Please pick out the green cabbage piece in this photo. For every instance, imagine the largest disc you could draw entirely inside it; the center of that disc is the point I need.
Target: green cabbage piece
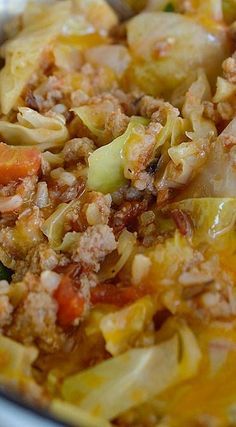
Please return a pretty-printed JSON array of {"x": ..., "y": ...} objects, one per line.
[
  {"x": 224, "y": 90},
  {"x": 69, "y": 241},
  {"x": 106, "y": 169},
  {"x": 125, "y": 248},
  {"x": 33, "y": 128},
  {"x": 229, "y": 10},
  {"x": 98, "y": 12},
  {"x": 128, "y": 380},
  {"x": 213, "y": 221},
  {"x": 54, "y": 226},
  {"x": 76, "y": 416},
  {"x": 15, "y": 361},
  {"x": 193, "y": 108},
  {"x": 122, "y": 327},
  {"x": 22, "y": 54},
  {"x": 167, "y": 47},
  {"x": 209, "y": 180},
  {"x": 94, "y": 118}
]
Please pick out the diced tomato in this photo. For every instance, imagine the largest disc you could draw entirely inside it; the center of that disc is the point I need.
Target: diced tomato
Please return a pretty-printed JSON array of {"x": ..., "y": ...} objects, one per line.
[
  {"x": 111, "y": 294},
  {"x": 70, "y": 302},
  {"x": 18, "y": 162}
]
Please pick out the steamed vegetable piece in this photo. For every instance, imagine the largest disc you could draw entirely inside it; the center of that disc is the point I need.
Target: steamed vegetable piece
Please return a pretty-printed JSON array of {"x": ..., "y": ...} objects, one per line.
[
  {"x": 76, "y": 416},
  {"x": 123, "y": 382},
  {"x": 18, "y": 162},
  {"x": 126, "y": 245},
  {"x": 94, "y": 118},
  {"x": 15, "y": 361},
  {"x": 69, "y": 241},
  {"x": 213, "y": 221},
  {"x": 204, "y": 10},
  {"x": 193, "y": 108},
  {"x": 23, "y": 53},
  {"x": 33, "y": 128},
  {"x": 229, "y": 10},
  {"x": 224, "y": 90},
  {"x": 53, "y": 227},
  {"x": 217, "y": 372},
  {"x": 210, "y": 182},
  {"x": 98, "y": 12},
  {"x": 168, "y": 47},
  {"x": 116, "y": 57},
  {"x": 106, "y": 170},
  {"x": 121, "y": 328}
]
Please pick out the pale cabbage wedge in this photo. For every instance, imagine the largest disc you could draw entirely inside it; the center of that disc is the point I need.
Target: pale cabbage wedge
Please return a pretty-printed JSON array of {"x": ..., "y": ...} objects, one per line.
[
  {"x": 193, "y": 108},
  {"x": 189, "y": 156},
  {"x": 15, "y": 361},
  {"x": 128, "y": 380},
  {"x": 213, "y": 221},
  {"x": 210, "y": 181},
  {"x": 34, "y": 128},
  {"x": 167, "y": 47},
  {"x": 69, "y": 241},
  {"x": 98, "y": 12},
  {"x": 23, "y": 53},
  {"x": 76, "y": 416},
  {"x": 224, "y": 90},
  {"x": 106, "y": 169},
  {"x": 229, "y": 10},
  {"x": 121, "y": 328},
  {"x": 165, "y": 134},
  {"x": 210, "y": 9},
  {"x": 94, "y": 118},
  {"x": 187, "y": 159},
  {"x": 125, "y": 248},
  {"x": 116, "y": 57},
  {"x": 54, "y": 226}
]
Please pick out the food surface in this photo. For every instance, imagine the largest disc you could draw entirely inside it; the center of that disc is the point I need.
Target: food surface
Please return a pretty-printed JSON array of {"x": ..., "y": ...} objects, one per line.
[{"x": 118, "y": 212}]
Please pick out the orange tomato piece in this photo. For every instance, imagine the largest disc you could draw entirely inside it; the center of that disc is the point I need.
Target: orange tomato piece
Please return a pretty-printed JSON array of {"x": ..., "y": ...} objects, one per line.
[
  {"x": 70, "y": 302},
  {"x": 18, "y": 162}
]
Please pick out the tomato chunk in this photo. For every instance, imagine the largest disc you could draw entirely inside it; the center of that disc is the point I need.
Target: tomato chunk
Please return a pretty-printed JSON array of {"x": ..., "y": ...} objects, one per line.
[
  {"x": 18, "y": 162},
  {"x": 70, "y": 302}
]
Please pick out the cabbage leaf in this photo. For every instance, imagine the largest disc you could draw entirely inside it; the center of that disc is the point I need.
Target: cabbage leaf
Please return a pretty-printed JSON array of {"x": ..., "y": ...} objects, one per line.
[
  {"x": 224, "y": 90},
  {"x": 15, "y": 361},
  {"x": 69, "y": 241},
  {"x": 54, "y": 226},
  {"x": 76, "y": 416},
  {"x": 193, "y": 108},
  {"x": 121, "y": 328},
  {"x": 126, "y": 246},
  {"x": 98, "y": 12},
  {"x": 33, "y": 128},
  {"x": 23, "y": 53},
  {"x": 210, "y": 181},
  {"x": 213, "y": 221},
  {"x": 167, "y": 47},
  {"x": 116, "y": 57},
  {"x": 94, "y": 118},
  {"x": 128, "y": 380},
  {"x": 106, "y": 169}
]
